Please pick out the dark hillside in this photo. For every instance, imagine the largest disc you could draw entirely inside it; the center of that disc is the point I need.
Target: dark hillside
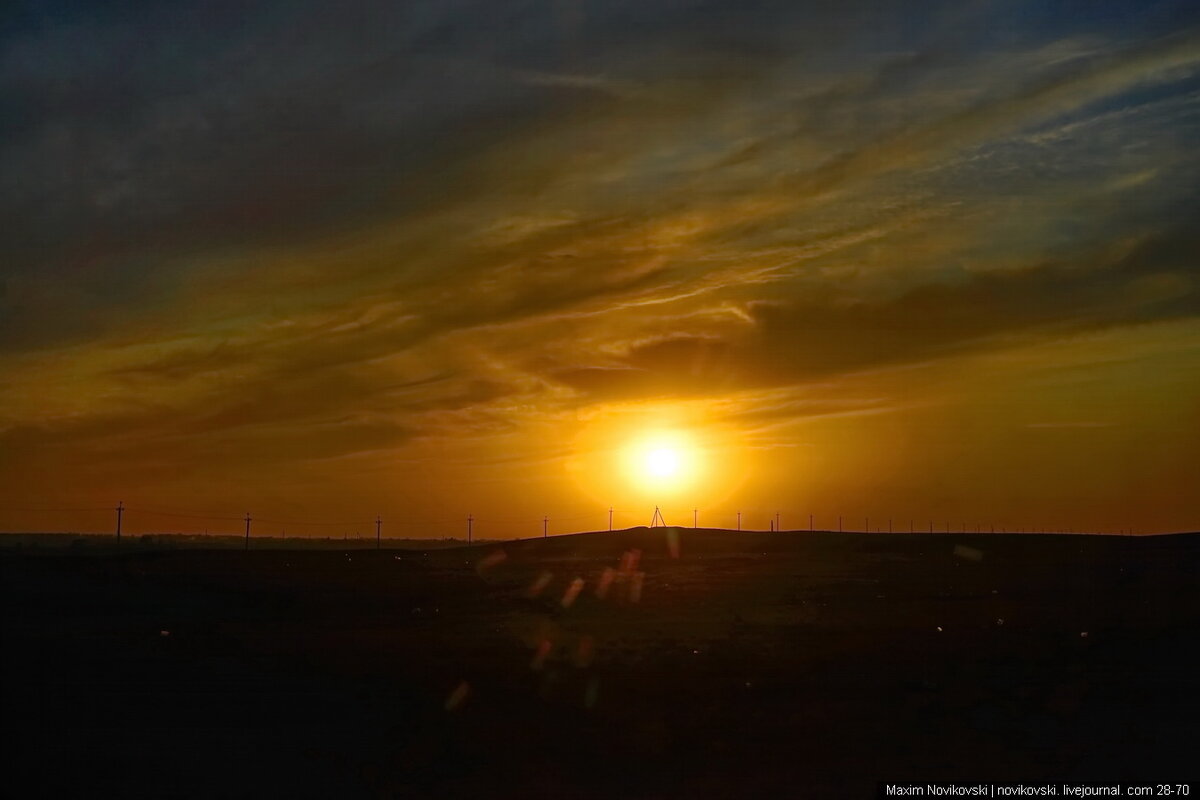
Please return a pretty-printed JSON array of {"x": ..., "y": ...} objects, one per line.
[{"x": 798, "y": 663}]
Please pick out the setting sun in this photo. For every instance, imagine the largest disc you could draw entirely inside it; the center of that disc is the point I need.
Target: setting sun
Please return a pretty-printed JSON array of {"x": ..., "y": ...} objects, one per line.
[
  {"x": 673, "y": 453},
  {"x": 662, "y": 462}
]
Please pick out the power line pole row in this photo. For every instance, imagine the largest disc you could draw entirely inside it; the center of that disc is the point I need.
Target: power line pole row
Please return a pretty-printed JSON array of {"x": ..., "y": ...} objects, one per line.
[{"x": 656, "y": 520}]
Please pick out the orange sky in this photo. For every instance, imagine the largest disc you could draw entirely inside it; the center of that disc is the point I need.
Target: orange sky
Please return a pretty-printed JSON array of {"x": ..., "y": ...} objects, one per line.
[{"x": 442, "y": 261}]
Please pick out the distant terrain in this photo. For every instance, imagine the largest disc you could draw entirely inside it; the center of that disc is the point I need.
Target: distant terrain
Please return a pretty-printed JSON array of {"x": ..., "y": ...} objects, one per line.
[
  {"x": 641, "y": 663},
  {"x": 211, "y": 541}
]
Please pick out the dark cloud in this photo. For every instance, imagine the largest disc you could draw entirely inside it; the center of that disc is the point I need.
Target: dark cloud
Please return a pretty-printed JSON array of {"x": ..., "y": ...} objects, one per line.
[
  {"x": 798, "y": 340},
  {"x": 139, "y": 141}
]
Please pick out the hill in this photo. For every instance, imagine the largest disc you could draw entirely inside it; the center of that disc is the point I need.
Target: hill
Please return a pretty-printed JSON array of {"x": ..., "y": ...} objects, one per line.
[{"x": 725, "y": 664}]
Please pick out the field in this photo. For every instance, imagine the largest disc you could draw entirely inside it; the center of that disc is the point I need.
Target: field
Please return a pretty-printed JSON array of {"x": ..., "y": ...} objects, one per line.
[{"x": 700, "y": 664}]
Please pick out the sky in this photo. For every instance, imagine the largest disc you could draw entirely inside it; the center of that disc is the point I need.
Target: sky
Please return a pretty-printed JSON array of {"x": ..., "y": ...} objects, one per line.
[{"x": 932, "y": 264}]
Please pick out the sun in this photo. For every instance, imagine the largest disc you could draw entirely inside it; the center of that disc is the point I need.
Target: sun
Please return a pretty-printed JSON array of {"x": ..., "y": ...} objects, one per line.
[
  {"x": 675, "y": 454},
  {"x": 662, "y": 461}
]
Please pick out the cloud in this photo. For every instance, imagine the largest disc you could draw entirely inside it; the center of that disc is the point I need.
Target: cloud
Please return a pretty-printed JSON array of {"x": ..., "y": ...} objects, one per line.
[
  {"x": 1079, "y": 424},
  {"x": 797, "y": 340},
  {"x": 144, "y": 144},
  {"x": 594, "y": 83}
]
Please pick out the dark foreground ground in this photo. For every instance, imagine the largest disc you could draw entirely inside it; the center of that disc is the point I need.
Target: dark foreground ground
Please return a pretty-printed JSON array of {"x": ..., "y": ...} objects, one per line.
[{"x": 786, "y": 664}]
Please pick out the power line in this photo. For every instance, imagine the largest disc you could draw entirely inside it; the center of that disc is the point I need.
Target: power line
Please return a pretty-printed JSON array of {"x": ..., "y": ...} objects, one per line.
[
  {"x": 194, "y": 516},
  {"x": 443, "y": 524},
  {"x": 58, "y": 508}
]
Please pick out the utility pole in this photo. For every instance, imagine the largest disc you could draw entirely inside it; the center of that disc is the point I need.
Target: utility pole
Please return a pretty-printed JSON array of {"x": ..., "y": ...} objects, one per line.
[
  {"x": 610, "y": 519},
  {"x": 739, "y": 520},
  {"x": 378, "y": 522},
  {"x": 545, "y": 524},
  {"x": 470, "y": 522},
  {"x": 695, "y": 517},
  {"x": 247, "y": 530},
  {"x": 120, "y": 511},
  {"x": 777, "y": 528}
]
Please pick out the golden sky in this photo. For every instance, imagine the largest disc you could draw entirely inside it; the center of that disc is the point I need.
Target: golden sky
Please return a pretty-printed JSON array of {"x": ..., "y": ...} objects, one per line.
[{"x": 538, "y": 259}]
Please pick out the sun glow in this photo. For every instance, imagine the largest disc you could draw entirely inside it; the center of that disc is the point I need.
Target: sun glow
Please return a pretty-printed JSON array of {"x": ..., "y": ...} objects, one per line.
[
  {"x": 627, "y": 454},
  {"x": 663, "y": 461}
]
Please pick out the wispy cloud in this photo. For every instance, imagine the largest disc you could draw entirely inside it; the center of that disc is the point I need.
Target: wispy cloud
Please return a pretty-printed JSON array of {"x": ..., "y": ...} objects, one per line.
[{"x": 1079, "y": 424}]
